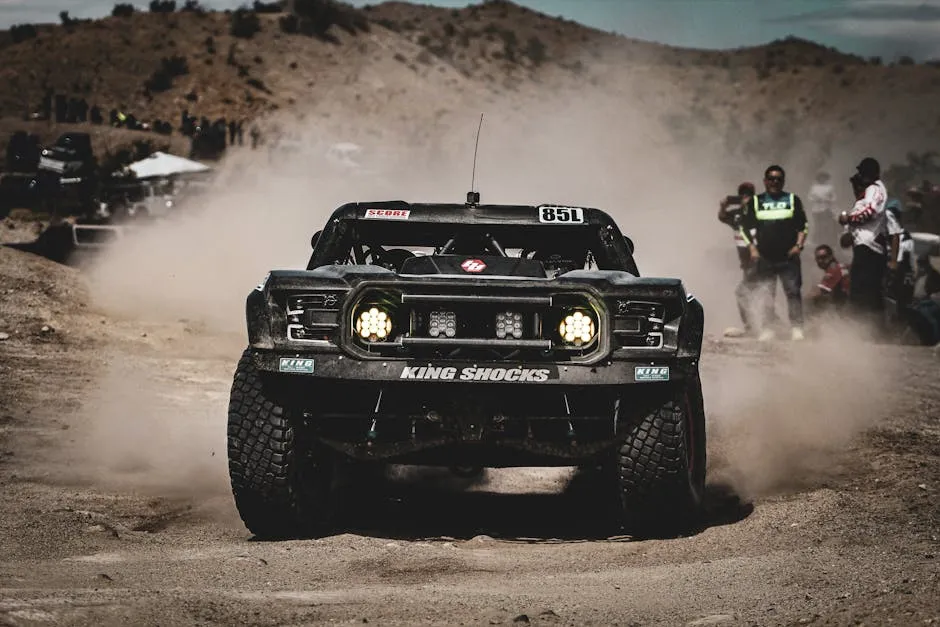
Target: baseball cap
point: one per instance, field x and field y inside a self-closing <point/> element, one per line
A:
<point x="869" y="167"/>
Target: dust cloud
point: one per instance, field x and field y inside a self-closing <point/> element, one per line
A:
<point x="156" y="425"/>
<point x="778" y="421"/>
<point x="586" y="149"/>
<point x="591" y="147"/>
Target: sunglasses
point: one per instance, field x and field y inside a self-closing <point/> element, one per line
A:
<point x="774" y="179"/>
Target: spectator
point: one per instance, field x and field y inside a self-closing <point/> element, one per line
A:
<point x="927" y="278"/>
<point x="730" y="211"/>
<point x="779" y="222"/>
<point x="61" y="108"/>
<point x="218" y="129"/>
<point x="868" y="229"/>
<point x="899" y="274"/>
<point x="832" y="291"/>
<point x="923" y="315"/>
<point x="858" y="192"/>
<point x="189" y="125"/>
<point x="184" y="122"/>
<point x="894" y="230"/>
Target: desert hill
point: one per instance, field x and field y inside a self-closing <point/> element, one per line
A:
<point x="408" y="66"/>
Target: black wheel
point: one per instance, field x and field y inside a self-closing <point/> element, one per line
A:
<point x="661" y="467"/>
<point x="283" y="487"/>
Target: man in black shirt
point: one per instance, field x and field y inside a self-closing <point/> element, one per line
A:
<point x="779" y="224"/>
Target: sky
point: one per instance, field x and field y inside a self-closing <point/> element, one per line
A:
<point x="886" y="28"/>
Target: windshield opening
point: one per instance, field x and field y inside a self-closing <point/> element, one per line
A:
<point x="560" y="248"/>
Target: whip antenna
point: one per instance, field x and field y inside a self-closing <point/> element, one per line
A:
<point x="473" y="196"/>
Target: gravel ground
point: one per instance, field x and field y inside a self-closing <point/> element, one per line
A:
<point x="822" y="497"/>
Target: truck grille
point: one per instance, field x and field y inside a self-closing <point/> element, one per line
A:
<point x="439" y="323"/>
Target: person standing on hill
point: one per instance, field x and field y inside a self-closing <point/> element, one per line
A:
<point x="899" y="275"/>
<point x="867" y="225"/>
<point x="731" y="211"/>
<point x="779" y="222"/>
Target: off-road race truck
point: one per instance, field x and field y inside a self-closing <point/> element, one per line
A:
<point x="467" y="335"/>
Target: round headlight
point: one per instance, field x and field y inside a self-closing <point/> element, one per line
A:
<point x="577" y="328"/>
<point x="373" y="325"/>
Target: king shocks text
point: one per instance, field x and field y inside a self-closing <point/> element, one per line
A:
<point x="473" y="373"/>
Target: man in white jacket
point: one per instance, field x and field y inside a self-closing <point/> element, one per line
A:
<point x="868" y="227"/>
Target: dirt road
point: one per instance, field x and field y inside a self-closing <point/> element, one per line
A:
<point x="822" y="508"/>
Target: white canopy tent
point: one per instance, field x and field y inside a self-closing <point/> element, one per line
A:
<point x="161" y="164"/>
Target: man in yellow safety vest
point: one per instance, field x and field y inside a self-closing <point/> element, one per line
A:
<point x="779" y="222"/>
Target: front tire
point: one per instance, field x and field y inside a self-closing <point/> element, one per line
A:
<point x="281" y="484"/>
<point x="661" y="467"/>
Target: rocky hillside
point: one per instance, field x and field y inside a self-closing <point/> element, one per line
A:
<point x="401" y="63"/>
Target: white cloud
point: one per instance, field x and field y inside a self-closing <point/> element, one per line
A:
<point x="899" y="26"/>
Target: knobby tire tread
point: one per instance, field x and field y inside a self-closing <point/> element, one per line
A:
<point x="658" y="493"/>
<point x="265" y="461"/>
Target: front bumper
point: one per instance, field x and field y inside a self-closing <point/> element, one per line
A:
<point x="644" y="369"/>
<point x="492" y="413"/>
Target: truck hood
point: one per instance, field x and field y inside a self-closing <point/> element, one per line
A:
<point x="349" y="276"/>
<point x="460" y="266"/>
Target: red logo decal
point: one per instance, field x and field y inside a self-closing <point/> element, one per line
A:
<point x="473" y="265"/>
